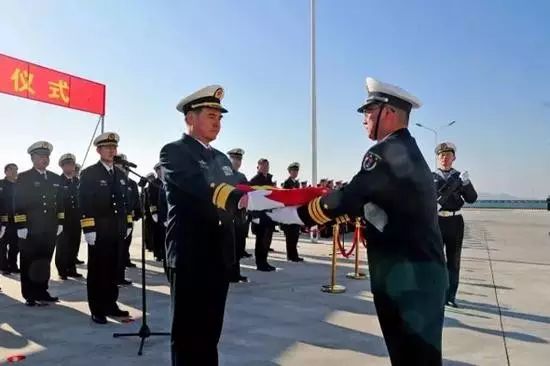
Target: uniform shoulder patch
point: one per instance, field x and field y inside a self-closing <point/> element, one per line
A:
<point x="227" y="170"/>
<point x="371" y="160"/>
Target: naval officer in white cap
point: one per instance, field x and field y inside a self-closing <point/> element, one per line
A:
<point x="106" y="221"/>
<point x="241" y="220"/>
<point x="68" y="243"/>
<point x="200" y="237"/>
<point x="39" y="218"/>
<point x="453" y="189"/>
<point x="394" y="191"/>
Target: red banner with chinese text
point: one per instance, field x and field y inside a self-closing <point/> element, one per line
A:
<point x="27" y="80"/>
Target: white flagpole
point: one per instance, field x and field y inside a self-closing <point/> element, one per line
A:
<point x="313" y="99"/>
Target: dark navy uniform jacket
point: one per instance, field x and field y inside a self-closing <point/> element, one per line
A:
<point x="291" y="183"/>
<point x="451" y="192"/>
<point x="134" y="205"/>
<point x="7" y="201"/>
<point x="38" y="202"/>
<point x="241" y="217"/>
<point x="104" y="202"/>
<point x="69" y="191"/>
<point x="407" y="255"/>
<point x="201" y="204"/>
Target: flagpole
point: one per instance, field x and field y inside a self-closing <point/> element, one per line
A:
<point x="313" y="99"/>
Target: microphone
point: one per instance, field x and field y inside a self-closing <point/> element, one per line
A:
<point x="125" y="163"/>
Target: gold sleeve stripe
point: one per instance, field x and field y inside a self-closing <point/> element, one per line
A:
<point x="311" y="213"/>
<point x="317" y="208"/>
<point x="89" y="222"/>
<point x="221" y="194"/>
<point x="314" y="210"/>
<point x="217" y="192"/>
<point x="130" y="219"/>
<point x="20" y="218"/>
<point x="61" y="215"/>
<point x="4" y="218"/>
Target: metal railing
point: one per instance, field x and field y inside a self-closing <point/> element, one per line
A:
<point x="512" y="204"/>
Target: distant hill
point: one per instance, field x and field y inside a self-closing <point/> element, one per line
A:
<point x="501" y="196"/>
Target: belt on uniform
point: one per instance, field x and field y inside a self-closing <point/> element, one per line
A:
<point x="449" y="213"/>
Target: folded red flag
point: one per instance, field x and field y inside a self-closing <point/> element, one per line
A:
<point x="288" y="197"/>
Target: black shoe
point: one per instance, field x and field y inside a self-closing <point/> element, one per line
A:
<point x="78" y="261"/>
<point x="271" y="250"/>
<point x="118" y="313"/>
<point x="297" y="259"/>
<point x="74" y="275"/>
<point x="124" y="282"/>
<point x="49" y="298"/>
<point x="36" y="303"/>
<point x="452" y="303"/>
<point x="15" y="270"/>
<point x="243" y="279"/>
<point x="6" y="272"/>
<point x="63" y="277"/>
<point x="99" y="319"/>
<point x="245" y="255"/>
<point x="266" y="268"/>
<point x="130" y="265"/>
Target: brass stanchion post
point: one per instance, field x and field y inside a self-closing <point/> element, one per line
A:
<point x="356" y="275"/>
<point x="333" y="288"/>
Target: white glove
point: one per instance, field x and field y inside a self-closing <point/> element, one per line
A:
<point x="155" y="217"/>
<point x="2" y="231"/>
<point x="165" y="223"/>
<point x="375" y="215"/>
<point x="90" y="238"/>
<point x="465" y="178"/>
<point x="128" y="232"/>
<point x="59" y="229"/>
<point x="256" y="221"/>
<point x="22" y="233"/>
<point x="285" y="215"/>
<point x="257" y="201"/>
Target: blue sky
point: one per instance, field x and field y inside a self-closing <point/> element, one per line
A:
<point x="485" y="64"/>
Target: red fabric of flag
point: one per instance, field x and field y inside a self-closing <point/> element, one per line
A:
<point x="288" y="197"/>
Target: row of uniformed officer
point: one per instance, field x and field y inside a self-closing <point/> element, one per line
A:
<point x="292" y="231"/>
<point x="264" y="228"/>
<point x="158" y="229"/>
<point x="240" y="219"/>
<point x="39" y="216"/>
<point x="394" y="191"/>
<point x="105" y="221"/>
<point x="134" y="210"/>
<point x="68" y="243"/>
<point x="9" y="246"/>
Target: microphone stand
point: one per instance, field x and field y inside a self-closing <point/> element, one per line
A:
<point x="144" y="331"/>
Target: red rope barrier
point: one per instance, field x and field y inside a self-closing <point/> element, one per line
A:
<point x="343" y="249"/>
<point x="357" y="235"/>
